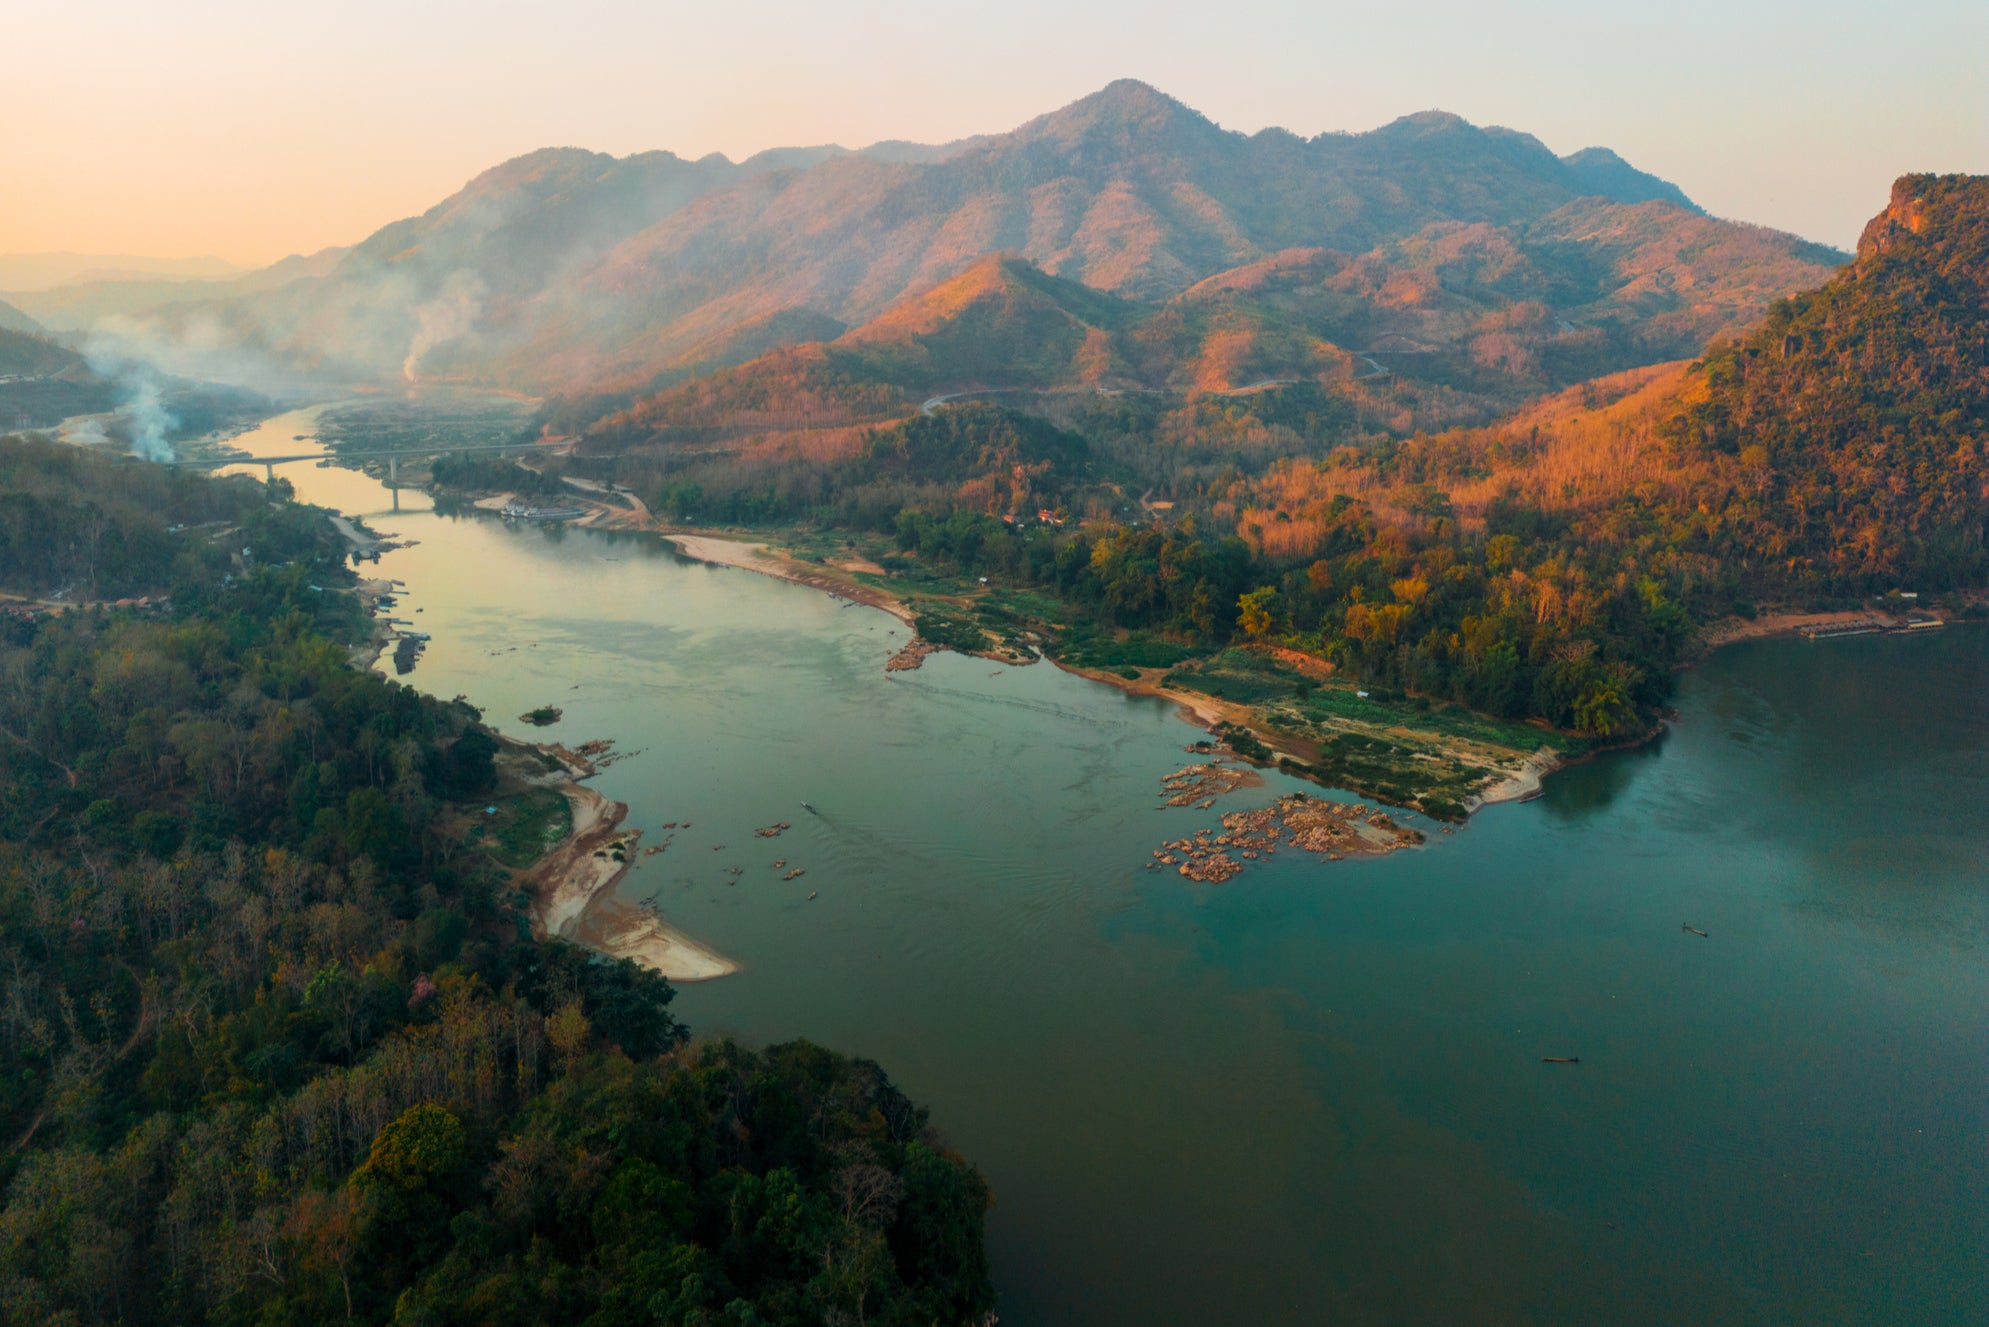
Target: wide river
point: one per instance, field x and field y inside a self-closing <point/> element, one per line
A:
<point x="1316" y="1093"/>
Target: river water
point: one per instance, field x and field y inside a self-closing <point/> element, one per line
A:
<point x="1316" y="1093"/>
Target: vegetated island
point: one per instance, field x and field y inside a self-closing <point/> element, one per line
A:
<point x="279" y="1044"/>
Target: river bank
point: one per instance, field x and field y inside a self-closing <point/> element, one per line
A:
<point x="725" y="552"/>
<point x="1512" y="775"/>
<point x="571" y="889"/>
<point x="1401" y="761"/>
<point x="1732" y="630"/>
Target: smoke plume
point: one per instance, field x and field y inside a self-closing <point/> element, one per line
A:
<point x="446" y="317"/>
<point x="141" y="409"/>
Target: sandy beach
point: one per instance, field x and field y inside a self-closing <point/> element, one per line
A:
<point x="620" y="931"/>
<point x="757" y="557"/>
<point x="1522" y="786"/>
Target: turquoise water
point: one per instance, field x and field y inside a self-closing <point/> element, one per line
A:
<point x="1314" y="1093"/>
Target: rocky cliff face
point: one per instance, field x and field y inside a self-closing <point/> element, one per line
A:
<point x="1906" y="214"/>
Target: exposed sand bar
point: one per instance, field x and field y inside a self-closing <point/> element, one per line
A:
<point x="614" y="928"/>
<point x="757" y="557"/>
<point x="1521" y="786"/>
<point x="572" y="890"/>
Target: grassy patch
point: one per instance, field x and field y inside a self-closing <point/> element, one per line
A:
<point x="948" y="629"/>
<point x="1442" y="720"/>
<point x="1092" y="649"/>
<point x="1242" y="677"/>
<point x="525" y="827"/>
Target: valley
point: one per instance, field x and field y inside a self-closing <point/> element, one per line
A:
<point x="1376" y="726"/>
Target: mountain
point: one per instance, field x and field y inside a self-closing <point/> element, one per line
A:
<point x="42" y="271"/>
<point x="13" y="320"/>
<point x="1609" y="176"/>
<point x="1468" y="318"/>
<point x="296" y="267"/>
<point x="1127" y="191"/>
<point x="83" y="305"/>
<point x="574" y="272"/>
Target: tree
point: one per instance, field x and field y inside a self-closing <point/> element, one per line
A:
<point x="1257" y="611"/>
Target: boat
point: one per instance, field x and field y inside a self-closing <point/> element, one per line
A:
<point x="1695" y="930"/>
<point x="1560" y="1059"/>
<point x="809" y="809"/>
<point x="519" y="511"/>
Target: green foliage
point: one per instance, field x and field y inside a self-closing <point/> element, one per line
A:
<point x="420" y="1149"/>
<point x="952" y="632"/>
<point x="1857" y="417"/>
<point x="104" y="528"/>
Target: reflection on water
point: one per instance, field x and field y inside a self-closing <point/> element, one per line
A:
<point x="1314" y="1094"/>
<point x="1583" y="789"/>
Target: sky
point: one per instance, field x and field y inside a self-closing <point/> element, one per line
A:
<point x="251" y="130"/>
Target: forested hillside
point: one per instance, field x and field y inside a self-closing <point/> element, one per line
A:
<point x="275" y="1046"/>
<point x="42" y="382"/>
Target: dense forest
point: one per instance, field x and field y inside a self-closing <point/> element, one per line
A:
<point x="100" y="528"/>
<point x="276" y="1047"/>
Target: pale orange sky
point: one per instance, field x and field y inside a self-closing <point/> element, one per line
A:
<point x="253" y="130"/>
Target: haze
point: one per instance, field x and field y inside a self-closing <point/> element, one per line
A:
<point x="252" y="131"/>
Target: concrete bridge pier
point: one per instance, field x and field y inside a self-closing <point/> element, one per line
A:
<point x="269" y="473"/>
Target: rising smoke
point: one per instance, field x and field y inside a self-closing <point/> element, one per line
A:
<point x="141" y="409"/>
<point x="449" y="315"/>
<point x="147" y="421"/>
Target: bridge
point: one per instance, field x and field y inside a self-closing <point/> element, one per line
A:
<point x="393" y="459"/>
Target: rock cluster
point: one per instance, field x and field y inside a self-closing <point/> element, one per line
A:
<point x="910" y="656"/>
<point x="1332" y="830"/>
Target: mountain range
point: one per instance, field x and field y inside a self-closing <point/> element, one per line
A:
<point x="571" y="272"/>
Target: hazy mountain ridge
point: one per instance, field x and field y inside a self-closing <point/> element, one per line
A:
<point x="44" y="271"/>
<point x="13" y="320"/>
<point x="569" y="270"/>
<point x="79" y="306"/>
<point x="1127" y="191"/>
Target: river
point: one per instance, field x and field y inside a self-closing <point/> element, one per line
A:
<point x="1316" y="1093"/>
